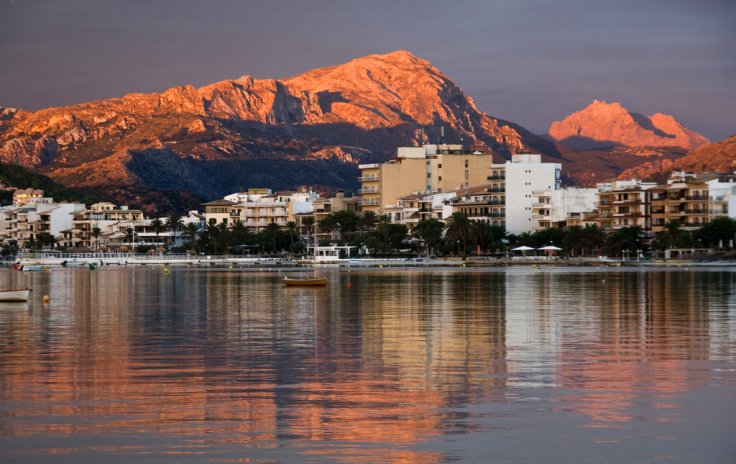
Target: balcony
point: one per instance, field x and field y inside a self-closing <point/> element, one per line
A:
<point x="368" y="190"/>
<point x="496" y="177"/>
<point x="369" y="202"/>
<point x="370" y="178"/>
<point x="631" y="201"/>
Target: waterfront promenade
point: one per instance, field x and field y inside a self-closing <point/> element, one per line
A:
<point x="140" y="259"/>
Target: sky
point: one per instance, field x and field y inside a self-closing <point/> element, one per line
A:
<point x="526" y="61"/>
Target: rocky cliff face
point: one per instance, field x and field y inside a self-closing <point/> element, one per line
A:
<point x="714" y="157"/>
<point x="308" y="129"/>
<point x="606" y="125"/>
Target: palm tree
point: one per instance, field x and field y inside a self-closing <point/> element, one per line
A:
<point x="157" y="226"/>
<point x="458" y="230"/>
<point x="129" y="235"/>
<point x="369" y="220"/>
<point x="191" y="229"/>
<point x="592" y="238"/>
<point x="174" y="223"/>
<point x="96" y="232"/>
<point x="291" y="230"/>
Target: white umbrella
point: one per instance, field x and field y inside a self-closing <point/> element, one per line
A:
<point x="522" y="248"/>
<point x="550" y="248"/>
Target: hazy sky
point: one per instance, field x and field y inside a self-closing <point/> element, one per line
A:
<point x="527" y="61"/>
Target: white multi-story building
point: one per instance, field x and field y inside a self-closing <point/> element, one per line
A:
<point x="257" y="208"/>
<point x="411" y="209"/>
<point x="552" y="208"/>
<point x="525" y="174"/>
<point x="32" y="214"/>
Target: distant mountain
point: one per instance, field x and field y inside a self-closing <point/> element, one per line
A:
<point x="175" y="148"/>
<point x="714" y="157"/>
<point x="607" y="125"/>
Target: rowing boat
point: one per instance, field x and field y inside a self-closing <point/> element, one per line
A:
<point x="313" y="282"/>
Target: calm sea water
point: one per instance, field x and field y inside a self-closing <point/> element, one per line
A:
<point x="517" y="365"/>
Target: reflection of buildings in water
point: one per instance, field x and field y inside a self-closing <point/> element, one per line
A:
<point x="438" y="331"/>
<point x="648" y="327"/>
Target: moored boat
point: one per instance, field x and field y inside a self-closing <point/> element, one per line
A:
<point x="21" y="294"/>
<point x="313" y="282"/>
<point x="34" y="268"/>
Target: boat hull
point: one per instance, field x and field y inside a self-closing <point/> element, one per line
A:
<point x="316" y="282"/>
<point x="14" y="295"/>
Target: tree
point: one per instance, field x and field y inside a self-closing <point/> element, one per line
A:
<point x="673" y="236"/>
<point x="717" y="233"/>
<point x="593" y="238"/>
<point x="9" y="248"/>
<point x="174" y="223"/>
<point x="340" y="221"/>
<point x="95" y="233"/>
<point x="572" y="242"/>
<point x="626" y="239"/>
<point x="191" y="229"/>
<point x="45" y="239"/>
<point x="291" y="230"/>
<point x="129" y="235"/>
<point x="369" y="220"/>
<point x="430" y="231"/>
<point x="458" y="230"/>
<point x="270" y="237"/>
<point x="157" y="227"/>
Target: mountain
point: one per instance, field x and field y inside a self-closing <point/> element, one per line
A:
<point x="606" y="125"/>
<point x="173" y="149"/>
<point x="714" y="157"/>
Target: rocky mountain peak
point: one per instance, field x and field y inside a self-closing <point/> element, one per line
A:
<point x="313" y="128"/>
<point x="603" y="124"/>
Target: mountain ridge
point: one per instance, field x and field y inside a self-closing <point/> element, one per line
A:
<point x="221" y="136"/>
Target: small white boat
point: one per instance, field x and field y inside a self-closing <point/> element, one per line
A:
<point x="21" y="294"/>
<point x="34" y="268"/>
<point x="313" y="282"/>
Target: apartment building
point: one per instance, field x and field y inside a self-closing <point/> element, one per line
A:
<point x="32" y="215"/>
<point x="257" y="208"/>
<point x="430" y="168"/>
<point x="486" y="203"/>
<point x="525" y="174"/>
<point x="624" y="203"/>
<point x="560" y="208"/>
<point x="692" y="199"/>
<point x="322" y="207"/>
<point x="411" y="209"/>
<point x="105" y="216"/>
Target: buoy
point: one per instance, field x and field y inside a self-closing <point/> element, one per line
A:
<point x="46" y="299"/>
<point x="349" y="284"/>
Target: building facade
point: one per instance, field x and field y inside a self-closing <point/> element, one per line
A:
<point x="525" y="174"/>
<point x="430" y="168"/>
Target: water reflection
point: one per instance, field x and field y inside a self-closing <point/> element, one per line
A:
<point x="129" y="362"/>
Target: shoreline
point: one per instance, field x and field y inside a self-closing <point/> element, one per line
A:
<point x="229" y="261"/>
